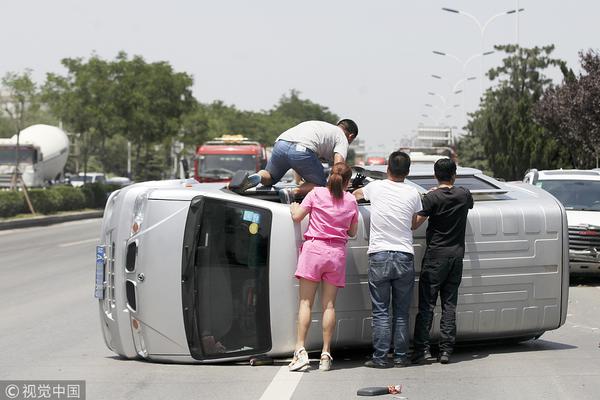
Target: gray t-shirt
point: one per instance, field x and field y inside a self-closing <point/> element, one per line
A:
<point x="321" y="137"/>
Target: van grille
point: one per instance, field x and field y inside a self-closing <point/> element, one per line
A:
<point x="584" y="238"/>
<point x="109" y="293"/>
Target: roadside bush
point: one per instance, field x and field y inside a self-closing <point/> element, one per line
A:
<point x="45" y="201"/>
<point x="96" y="194"/>
<point x="11" y="203"/>
<point x="71" y="198"/>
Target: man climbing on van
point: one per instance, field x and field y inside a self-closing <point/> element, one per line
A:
<point x="300" y="148"/>
<point x="447" y="207"/>
<point x="394" y="205"/>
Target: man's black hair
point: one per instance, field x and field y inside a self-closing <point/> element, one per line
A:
<point x="399" y="164"/>
<point x="444" y="170"/>
<point x="349" y="125"/>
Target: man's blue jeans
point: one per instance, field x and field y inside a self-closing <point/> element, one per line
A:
<point x="391" y="273"/>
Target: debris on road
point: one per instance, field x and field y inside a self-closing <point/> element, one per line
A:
<point x="379" y="390"/>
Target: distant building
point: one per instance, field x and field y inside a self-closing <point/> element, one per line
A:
<point x="440" y="136"/>
<point x="360" y="150"/>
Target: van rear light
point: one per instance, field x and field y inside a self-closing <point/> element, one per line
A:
<point x="130" y="291"/>
<point x="131" y="257"/>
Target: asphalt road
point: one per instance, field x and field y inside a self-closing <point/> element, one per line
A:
<point x="49" y="329"/>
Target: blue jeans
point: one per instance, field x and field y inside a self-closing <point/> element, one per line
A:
<point x="305" y="162"/>
<point x="391" y="273"/>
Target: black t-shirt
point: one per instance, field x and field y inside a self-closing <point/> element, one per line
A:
<point x="447" y="209"/>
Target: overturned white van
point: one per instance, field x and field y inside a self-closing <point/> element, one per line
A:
<point x="191" y="272"/>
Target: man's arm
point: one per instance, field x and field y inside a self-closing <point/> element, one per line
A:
<point x="353" y="229"/>
<point x="417" y="221"/>
<point x="337" y="157"/>
<point x="358" y="194"/>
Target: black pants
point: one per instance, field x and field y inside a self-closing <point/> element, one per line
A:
<point x="443" y="276"/>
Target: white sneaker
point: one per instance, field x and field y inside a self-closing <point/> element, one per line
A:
<point x="300" y="361"/>
<point x="326" y="361"/>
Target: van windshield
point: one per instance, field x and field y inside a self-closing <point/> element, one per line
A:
<point x="223" y="166"/>
<point x="579" y="195"/>
<point x="227" y="290"/>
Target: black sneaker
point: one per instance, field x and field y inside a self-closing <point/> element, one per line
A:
<point x="241" y="181"/>
<point x="421" y="356"/>
<point x="376" y="364"/>
<point x="444" y="357"/>
<point x="286" y="196"/>
<point x="401" y="363"/>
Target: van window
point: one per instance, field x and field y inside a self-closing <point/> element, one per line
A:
<point x="470" y="182"/>
<point x="230" y="280"/>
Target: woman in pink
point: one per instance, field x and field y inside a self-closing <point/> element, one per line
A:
<point x="333" y="217"/>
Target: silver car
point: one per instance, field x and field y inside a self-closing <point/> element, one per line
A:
<point x="190" y="272"/>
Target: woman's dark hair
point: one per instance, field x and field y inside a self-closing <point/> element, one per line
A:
<point x="339" y="179"/>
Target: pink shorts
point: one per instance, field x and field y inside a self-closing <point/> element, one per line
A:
<point x="323" y="260"/>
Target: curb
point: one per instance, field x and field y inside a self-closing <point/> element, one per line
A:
<point x="49" y="220"/>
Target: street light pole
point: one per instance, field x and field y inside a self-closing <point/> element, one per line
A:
<point x="482" y="27"/>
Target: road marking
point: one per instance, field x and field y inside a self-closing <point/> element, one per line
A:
<point x="283" y="385"/>
<point x="79" y="242"/>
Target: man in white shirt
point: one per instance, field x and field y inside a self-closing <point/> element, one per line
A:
<point x="394" y="205"/>
<point x="301" y="148"/>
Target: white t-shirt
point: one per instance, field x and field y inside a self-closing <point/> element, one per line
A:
<point x="321" y="137"/>
<point x="393" y="205"/>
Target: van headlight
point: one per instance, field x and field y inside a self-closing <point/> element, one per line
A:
<point x="139" y="209"/>
<point x="110" y="204"/>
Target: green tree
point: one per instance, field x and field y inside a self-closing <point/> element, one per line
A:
<point x="293" y="107"/>
<point x="18" y="97"/>
<point x="471" y="153"/>
<point x="571" y="112"/>
<point x="82" y="100"/>
<point x="504" y="124"/>
<point x="151" y="100"/>
<point x="143" y="102"/>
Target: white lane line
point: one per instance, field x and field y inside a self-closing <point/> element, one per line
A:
<point x="79" y="242"/>
<point x="283" y="385"/>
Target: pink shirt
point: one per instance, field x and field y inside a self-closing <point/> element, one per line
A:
<point x="329" y="218"/>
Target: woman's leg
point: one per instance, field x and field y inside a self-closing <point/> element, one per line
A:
<point x="307" y="292"/>
<point x="328" y="294"/>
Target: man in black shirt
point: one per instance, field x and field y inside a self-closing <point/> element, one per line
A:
<point x="447" y="207"/>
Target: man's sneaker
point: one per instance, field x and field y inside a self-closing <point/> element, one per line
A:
<point x="300" y="361"/>
<point x="241" y="181"/>
<point x="326" y="361"/>
<point x="421" y="356"/>
<point x="376" y="364"/>
<point x="286" y="196"/>
<point x="444" y="357"/>
<point x="401" y="363"/>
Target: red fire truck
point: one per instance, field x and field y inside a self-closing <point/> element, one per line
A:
<point x="217" y="160"/>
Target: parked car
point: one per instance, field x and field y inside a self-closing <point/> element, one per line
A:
<point x="119" y="181"/>
<point x="579" y="192"/>
<point x="90" y="177"/>
<point x="190" y="272"/>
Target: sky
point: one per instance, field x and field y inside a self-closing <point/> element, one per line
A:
<point x="370" y="61"/>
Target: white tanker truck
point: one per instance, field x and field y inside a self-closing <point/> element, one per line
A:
<point x="43" y="152"/>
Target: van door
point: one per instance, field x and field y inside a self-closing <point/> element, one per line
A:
<point x="225" y="279"/>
